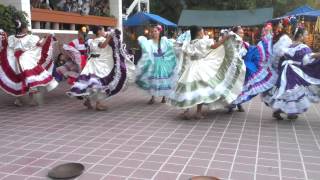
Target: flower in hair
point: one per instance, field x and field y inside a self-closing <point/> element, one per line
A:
<point x="268" y="26"/>
<point x="159" y="27"/>
<point x="18" y="23"/>
<point x="267" y="29"/>
<point x="293" y="20"/>
<point x="286" y="21"/>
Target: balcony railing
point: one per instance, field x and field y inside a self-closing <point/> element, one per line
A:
<point x="55" y="19"/>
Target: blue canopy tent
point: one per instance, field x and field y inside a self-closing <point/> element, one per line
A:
<point x="300" y="11"/>
<point x="312" y="15"/>
<point x="142" y="18"/>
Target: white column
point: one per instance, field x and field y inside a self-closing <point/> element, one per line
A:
<point x="139" y="6"/>
<point x="47" y="25"/>
<point x="37" y="25"/>
<point x="72" y="27"/>
<point x="116" y="11"/>
<point x="148" y="6"/>
<point x="56" y="26"/>
<point x="23" y="5"/>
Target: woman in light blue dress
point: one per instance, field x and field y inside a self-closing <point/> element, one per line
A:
<point x="156" y="70"/>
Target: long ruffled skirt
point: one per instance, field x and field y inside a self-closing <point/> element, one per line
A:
<point x="260" y="77"/>
<point x="296" y="89"/>
<point x="21" y="72"/>
<point x="90" y="82"/>
<point x="215" y="80"/>
<point x="158" y="76"/>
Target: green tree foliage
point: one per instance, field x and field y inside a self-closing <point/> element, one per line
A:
<point x="8" y="16"/>
<point x="171" y="9"/>
<point x="283" y="6"/>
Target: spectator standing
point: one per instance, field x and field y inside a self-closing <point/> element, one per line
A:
<point x="35" y="3"/>
<point x="85" y="10"/>
<point x="75" y="6"/>
<point x="67" y="6"/>
<point x="60" y="4"/>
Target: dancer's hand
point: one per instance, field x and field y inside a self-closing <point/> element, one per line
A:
<point x="316" y="55"/>
<point x="109" y="33"/>
<point x="219" y="43"/>
<point x="226" y="37"/>
<point x="43" y="40"/>
<point x="4" y="35"/>
<point x="106" y="42"/>
<point x="60" y="44"/>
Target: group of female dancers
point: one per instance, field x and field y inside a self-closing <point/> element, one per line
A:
<point x="190" y="71"/>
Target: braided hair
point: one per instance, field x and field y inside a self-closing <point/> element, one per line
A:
<point x="160" y="29"/>
<point x="297" y="32"/>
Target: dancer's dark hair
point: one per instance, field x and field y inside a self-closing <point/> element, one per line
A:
<point x="235" y="29"/>
<point x="19" y="26"/>
<point x="96" y="29"/>
<point x="297" y="33"/>
<point x="160" y="29"/>
<point x="194" y="30"/>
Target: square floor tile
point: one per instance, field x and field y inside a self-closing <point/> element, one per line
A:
<point x="103" y="169"/>
<point x="241" y="175"/>
<point x="144" y="173"/>
<point x="176" y="168"/>
<point x="131" y="163"/>
<point x="165" y="175"/>
<point x="194" y="170"/>
<point x="151" y="165"/>
<point x="122" y="171"/>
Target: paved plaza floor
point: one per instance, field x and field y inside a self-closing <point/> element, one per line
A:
<point x="133" y="140"/>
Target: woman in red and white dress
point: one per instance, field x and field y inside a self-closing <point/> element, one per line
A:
<point x="80" y="45"/>
<point x="77" y="51"/>
<point x="25" y="62"/>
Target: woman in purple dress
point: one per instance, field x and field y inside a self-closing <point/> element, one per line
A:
<point x="298" y="81"/>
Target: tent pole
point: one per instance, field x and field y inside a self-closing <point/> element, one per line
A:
<point x="139" y="6"/>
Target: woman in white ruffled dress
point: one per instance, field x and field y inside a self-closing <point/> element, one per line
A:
<point x="211" y="73"/>
<point x="107" y="71"/>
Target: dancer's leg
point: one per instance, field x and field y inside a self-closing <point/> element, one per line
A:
<point x="163" y="99"/>
<point x="100" y="104"/>
<point x="18" y="102"/>
<point x="87" y="103"/>
<point x="186" y="115"/>
<point x="152" y="100"/>
<point x="292" y="116"/>
<point x="199" y="112"/>
<point x="240" y="108"/>
<point x="277" y="115"/>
